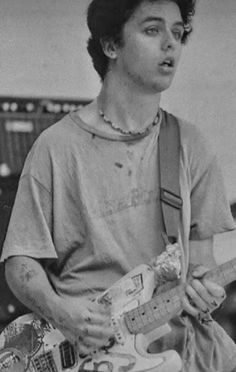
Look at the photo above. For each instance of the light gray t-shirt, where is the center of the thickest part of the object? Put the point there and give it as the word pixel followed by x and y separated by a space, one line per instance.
pixel 88 204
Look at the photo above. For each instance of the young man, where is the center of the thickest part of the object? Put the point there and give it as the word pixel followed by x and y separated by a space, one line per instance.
pixel 88 211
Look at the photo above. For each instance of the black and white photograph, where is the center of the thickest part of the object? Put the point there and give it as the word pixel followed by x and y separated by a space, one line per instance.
pixel 117 186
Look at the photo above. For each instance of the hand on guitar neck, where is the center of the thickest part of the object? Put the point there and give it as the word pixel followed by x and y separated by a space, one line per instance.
pixel 140 326
pixel 202 295
pixel 163 307
pixel 88 327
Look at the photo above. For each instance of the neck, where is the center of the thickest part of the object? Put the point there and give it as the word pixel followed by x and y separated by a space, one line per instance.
pixel 128 107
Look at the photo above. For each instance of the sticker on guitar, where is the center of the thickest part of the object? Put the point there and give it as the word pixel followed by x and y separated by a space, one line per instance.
pixel 30 344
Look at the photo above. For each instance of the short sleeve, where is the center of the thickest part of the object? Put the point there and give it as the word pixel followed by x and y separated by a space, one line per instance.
pixel 30 228
pixel 210 209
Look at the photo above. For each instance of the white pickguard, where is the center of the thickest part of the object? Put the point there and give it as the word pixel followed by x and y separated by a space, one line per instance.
pixel 30 344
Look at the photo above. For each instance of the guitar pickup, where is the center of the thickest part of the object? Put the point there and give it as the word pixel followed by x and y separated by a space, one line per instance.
pixel 67 354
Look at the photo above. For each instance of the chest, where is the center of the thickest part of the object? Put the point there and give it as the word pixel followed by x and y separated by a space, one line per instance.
pixel 118 176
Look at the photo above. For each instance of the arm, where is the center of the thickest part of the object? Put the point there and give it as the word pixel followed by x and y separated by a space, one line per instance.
pixel 81 321
pixel 202 296
pixel 209 215
pixel 28 281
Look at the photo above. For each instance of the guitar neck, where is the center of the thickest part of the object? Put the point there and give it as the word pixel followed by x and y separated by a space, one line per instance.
pixel 165 306
pixel 223 274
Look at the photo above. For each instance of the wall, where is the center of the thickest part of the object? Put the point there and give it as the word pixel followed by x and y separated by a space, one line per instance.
pixel 204 90
pixel 43 49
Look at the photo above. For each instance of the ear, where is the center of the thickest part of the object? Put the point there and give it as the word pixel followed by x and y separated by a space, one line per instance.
pixel 109 48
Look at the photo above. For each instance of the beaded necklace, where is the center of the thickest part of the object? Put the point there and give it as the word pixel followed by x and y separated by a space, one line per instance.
pixel 123 131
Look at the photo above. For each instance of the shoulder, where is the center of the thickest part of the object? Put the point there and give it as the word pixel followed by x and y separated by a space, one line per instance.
pixel 59 132
pixel 62 135
pixel 189 132
pixel 55 146
pixel 195 148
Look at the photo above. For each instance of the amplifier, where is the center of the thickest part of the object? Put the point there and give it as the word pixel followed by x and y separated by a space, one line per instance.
pixel 10 307
pixel 21 121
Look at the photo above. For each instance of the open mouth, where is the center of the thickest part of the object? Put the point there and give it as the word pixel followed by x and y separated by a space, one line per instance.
pixel 168 62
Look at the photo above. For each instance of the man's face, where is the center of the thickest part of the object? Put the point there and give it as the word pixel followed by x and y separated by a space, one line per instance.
pixel 151 46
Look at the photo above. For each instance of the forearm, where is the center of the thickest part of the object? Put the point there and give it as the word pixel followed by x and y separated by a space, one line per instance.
pixel 29 282
pixel 78 319
pixel 202 295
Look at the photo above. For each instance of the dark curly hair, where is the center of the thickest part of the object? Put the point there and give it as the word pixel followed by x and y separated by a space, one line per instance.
pixel 106 18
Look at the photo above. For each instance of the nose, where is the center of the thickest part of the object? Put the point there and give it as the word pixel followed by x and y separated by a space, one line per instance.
pixel 168 41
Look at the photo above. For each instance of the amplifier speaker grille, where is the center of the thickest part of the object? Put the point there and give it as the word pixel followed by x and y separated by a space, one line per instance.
pixel 21 121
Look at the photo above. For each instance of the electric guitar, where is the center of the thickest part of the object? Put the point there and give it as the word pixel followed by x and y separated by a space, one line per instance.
pixel 31 344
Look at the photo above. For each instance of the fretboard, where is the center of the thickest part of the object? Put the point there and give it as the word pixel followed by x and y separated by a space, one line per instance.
pixel 165 306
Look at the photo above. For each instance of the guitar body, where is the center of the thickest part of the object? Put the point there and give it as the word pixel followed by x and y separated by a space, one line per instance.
pixel 31 344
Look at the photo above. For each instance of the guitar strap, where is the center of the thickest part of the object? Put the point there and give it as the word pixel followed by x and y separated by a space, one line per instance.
pixel 169 160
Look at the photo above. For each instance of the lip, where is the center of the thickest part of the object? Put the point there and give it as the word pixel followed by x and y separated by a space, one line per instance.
pixel 167 68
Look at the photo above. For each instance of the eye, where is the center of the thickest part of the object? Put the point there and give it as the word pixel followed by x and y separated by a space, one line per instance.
pixel 178 34
pixel 153 30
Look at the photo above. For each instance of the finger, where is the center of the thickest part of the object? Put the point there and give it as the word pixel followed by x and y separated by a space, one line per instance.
pixel 202 299
pixel 94 317
pixel 98 332
pixel 87 344
pixel 83 348
pixel 197 299
pixel 214 289
pixel 189 308
pixel 201 290
pixel 199 271
pixel 96 308
pixel 98 319
pixel 95 343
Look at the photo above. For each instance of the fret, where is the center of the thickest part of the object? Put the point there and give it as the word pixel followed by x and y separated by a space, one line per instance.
pixel 223 274
pixel 154 312
pixel 45 363
pixel 144 318
pixel 159 308
pixel 166 305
